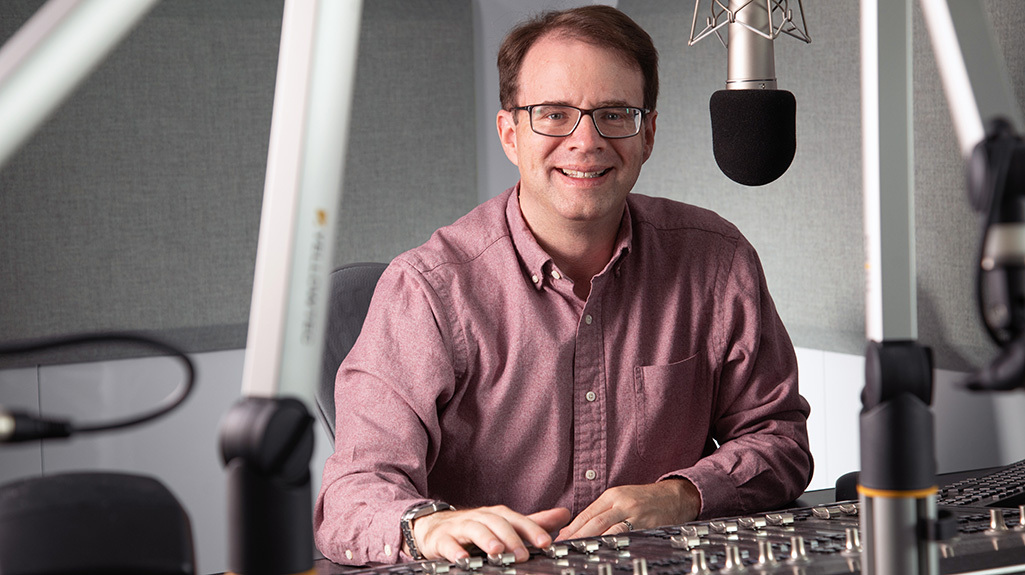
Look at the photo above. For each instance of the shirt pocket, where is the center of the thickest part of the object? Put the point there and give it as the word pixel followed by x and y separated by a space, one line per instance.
pixel 674 408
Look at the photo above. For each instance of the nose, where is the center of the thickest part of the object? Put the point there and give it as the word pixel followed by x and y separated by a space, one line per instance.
pixel 586 134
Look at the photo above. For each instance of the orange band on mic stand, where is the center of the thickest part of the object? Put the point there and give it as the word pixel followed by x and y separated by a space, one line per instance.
pixel 895 494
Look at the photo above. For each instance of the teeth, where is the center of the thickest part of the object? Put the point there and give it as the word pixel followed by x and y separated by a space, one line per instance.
pixel 576 174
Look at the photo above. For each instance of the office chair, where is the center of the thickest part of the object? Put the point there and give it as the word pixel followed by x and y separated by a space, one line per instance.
pixel 352 287
pixel 87 523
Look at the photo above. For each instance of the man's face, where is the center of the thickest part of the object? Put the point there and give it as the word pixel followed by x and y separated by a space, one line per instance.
pixel 582 178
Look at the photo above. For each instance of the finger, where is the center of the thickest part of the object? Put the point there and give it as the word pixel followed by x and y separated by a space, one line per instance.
pixel 490 533
pixel 595 519
pixel 569 531
pixel 495 530
pixel 600 524
pixel 514 530
pixel 624 526
pixel 450 549
pixel 445 534
pixel 547 521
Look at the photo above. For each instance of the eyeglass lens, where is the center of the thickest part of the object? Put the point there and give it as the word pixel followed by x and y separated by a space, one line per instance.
pixel 614 122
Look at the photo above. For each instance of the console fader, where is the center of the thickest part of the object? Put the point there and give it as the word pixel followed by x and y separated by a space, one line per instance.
pixel 821 540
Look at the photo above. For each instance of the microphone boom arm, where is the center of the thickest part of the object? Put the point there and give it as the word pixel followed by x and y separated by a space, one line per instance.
pixel 989 123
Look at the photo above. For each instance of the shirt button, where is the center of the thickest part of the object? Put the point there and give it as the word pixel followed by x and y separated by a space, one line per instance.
pixel 588 319
pixel 348 554
pixel 590 474
pixel 591 396
pixel 387 550
pixel 556 274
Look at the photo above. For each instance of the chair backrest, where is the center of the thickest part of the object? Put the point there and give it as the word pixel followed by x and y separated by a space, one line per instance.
pixel 352 287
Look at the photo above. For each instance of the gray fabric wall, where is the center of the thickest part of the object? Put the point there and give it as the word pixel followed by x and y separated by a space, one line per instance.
pixel 807 226
pixel 137 206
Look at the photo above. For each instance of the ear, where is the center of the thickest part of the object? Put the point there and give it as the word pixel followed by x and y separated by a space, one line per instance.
pixel 649 134
pixel 507 134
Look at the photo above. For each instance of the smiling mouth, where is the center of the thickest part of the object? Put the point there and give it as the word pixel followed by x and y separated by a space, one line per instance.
pixel 577 174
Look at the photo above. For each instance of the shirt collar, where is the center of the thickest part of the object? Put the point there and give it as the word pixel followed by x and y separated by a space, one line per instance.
pixel 535 259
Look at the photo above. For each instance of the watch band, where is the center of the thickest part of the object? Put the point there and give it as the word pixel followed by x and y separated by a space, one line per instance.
pixel 413 513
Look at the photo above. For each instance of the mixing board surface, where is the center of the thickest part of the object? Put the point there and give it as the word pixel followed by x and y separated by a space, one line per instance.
pixel 1002 488
pixel 820 540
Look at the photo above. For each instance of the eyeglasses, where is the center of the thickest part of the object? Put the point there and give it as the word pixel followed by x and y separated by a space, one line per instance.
pixel 559 121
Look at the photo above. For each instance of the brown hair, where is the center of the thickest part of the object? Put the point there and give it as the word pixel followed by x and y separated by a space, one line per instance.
pixel 599 25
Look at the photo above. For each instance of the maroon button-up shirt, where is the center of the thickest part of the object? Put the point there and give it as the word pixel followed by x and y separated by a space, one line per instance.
pixel 480 378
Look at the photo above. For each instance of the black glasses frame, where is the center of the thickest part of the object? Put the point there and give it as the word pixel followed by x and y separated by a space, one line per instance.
pixel 530 111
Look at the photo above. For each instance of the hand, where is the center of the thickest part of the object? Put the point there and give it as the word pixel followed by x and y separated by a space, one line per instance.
pixel 668 502
pixel 493 529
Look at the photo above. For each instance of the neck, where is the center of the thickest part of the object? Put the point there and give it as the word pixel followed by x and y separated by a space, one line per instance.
pixel 580 249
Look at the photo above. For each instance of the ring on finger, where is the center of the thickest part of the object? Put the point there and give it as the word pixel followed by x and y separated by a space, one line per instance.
pixel 629 526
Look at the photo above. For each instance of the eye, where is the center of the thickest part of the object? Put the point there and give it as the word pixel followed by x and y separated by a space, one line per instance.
pixel 550 113
pixel 553 114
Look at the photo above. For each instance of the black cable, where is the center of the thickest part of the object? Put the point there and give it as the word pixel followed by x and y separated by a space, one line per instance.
pixel 171 402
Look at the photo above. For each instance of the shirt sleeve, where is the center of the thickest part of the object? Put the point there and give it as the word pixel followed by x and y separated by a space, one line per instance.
pixel 387 395
pixel 760 420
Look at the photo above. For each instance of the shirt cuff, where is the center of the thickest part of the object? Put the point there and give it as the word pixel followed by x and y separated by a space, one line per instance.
pixel 716 489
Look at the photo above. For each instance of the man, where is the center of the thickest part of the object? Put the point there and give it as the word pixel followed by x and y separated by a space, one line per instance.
pixel 568 356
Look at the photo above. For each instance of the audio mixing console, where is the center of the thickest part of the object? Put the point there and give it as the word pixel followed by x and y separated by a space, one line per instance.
pixel 824 540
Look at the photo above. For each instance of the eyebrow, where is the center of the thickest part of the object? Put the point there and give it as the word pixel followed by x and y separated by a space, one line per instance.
pixel 604 104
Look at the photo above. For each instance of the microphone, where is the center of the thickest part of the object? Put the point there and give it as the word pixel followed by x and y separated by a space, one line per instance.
pixel 754 134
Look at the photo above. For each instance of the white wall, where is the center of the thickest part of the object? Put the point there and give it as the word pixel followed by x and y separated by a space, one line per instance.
pixel 972 430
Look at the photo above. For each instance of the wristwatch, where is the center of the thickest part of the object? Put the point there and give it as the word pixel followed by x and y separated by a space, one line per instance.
pixel 412 514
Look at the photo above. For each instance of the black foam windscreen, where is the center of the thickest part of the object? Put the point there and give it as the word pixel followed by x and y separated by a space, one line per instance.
pixel 754 134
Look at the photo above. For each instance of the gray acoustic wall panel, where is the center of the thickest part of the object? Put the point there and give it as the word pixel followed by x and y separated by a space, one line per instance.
pixel 947 229
pixel 412 154
pixel 808 225
pixel 137 206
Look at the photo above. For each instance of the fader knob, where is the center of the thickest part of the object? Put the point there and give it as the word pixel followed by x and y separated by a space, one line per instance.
pixel 435 567
pixel 694 530
pixel 684 542
pixel 501 559
pixel 996 521
pixel 752 523
pixel 733 562
pixel 585 545
pixel 797 552
pixel 852 543
pixel 780 518
pixel 766 557
pixel 616 541
pixel 698 566
pixel 556 550
pixel 471 563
